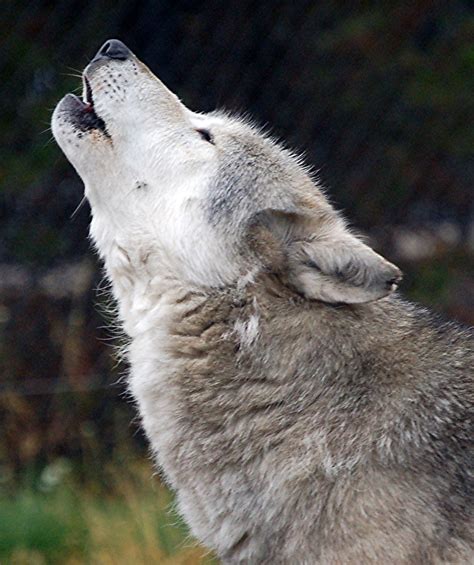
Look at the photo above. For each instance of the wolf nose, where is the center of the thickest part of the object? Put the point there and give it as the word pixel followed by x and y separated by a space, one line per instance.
pixel 113 49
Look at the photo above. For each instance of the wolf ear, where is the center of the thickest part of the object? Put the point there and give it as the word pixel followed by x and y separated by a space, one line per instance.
pixel 324 261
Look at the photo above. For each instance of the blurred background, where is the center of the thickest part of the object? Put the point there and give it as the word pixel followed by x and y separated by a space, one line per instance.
pixel 379 98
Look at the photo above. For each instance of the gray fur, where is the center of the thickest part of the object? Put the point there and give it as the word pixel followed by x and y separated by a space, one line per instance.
pixel 302 412
pixel 342 434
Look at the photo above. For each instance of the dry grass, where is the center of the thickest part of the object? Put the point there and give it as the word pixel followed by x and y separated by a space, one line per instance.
pixel 131 523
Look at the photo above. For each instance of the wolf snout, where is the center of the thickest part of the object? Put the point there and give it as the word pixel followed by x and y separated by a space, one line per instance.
pixel 113 49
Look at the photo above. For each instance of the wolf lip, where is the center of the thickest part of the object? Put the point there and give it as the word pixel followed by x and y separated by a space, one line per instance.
pixel 82 112
pixel 87 92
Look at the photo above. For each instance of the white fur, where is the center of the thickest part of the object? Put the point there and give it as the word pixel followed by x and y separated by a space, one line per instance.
pixel 150 186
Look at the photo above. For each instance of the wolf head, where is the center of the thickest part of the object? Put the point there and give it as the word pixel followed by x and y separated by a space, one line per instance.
pixel 204 199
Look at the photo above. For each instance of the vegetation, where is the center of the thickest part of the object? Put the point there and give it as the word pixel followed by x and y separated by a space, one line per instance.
pixel 56 517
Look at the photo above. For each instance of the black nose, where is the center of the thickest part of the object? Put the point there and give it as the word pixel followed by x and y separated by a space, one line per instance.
pixel 113 49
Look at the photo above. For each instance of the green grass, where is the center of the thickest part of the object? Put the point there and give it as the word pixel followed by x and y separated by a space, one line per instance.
pixel 75 522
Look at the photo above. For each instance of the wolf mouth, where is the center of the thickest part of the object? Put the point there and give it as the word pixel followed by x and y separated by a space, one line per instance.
pixel 82 110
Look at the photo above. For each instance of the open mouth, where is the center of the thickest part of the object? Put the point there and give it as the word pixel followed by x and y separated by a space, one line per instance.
pixel 90 119
pixel 83 112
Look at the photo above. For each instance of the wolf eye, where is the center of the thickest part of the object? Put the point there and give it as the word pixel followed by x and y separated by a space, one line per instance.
pixel 206 135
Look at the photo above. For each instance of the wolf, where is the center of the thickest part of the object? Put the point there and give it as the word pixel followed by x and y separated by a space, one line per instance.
pixel 301 410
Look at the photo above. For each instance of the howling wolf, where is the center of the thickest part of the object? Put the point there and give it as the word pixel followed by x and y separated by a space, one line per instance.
pixel 301 410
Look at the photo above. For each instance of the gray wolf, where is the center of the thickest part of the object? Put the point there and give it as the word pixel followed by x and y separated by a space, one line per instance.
pixel 301 410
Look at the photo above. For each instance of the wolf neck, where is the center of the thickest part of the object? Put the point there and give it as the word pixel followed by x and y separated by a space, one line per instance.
pixel 142 299
pixel 142 271
pixel 148 294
